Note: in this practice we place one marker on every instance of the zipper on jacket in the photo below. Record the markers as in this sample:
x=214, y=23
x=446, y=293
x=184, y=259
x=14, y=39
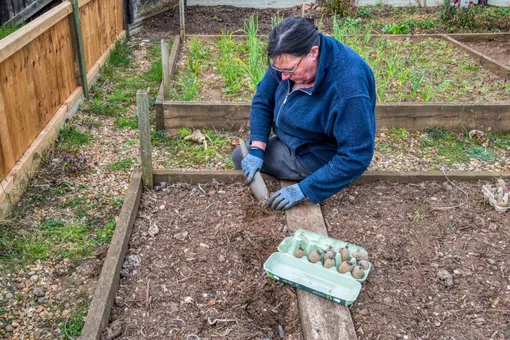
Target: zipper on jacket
x=285, y=101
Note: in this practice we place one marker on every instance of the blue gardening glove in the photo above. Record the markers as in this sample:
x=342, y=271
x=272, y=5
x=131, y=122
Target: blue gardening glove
x=286, y=198
x=251, y=164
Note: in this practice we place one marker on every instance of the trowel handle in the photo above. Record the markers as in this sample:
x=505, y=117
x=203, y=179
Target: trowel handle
x=244, y=149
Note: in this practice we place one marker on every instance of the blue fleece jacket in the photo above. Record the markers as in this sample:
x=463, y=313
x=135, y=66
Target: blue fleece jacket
x=330, y=127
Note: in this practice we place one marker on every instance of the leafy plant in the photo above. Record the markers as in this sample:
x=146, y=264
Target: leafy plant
x=70, y=137
x=482, y=154
x=121, y=165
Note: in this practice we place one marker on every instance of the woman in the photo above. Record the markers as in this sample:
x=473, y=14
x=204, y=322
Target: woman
x=319, y=98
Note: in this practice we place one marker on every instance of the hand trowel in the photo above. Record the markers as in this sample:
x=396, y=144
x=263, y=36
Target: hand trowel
x=257, y=186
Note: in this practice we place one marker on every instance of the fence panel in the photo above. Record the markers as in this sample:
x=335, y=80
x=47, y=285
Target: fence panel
x=36, y=79
x=39, y=69
x=101, y=22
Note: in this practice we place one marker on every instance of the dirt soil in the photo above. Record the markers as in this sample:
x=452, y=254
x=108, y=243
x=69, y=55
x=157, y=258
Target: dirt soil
x=194, y=269
x=438, y=273
x=497, y=49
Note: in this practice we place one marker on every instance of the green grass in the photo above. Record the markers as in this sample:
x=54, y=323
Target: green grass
x=70, y=137
x=188, y=153
x=73, y=325
x=6, y=30
x=122, y=123
x=121, y=165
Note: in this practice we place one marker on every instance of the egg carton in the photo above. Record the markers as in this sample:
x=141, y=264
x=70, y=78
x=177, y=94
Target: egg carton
x=488, y=194
x=314, y=277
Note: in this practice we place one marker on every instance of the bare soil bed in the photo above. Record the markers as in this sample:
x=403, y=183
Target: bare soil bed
x=497, y=49
x=416, y=247
x=200, y=274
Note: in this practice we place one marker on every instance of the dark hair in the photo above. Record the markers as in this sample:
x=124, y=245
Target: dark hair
x=295, y=36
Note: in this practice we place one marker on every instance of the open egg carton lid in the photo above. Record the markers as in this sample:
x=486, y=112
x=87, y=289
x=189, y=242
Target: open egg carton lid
x=302, y=274
x=498, y=197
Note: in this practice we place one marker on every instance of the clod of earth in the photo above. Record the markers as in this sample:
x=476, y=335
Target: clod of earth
x=357, y=272
x=445, y=276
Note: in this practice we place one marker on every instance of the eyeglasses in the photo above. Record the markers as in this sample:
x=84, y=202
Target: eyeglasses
x=286, y=71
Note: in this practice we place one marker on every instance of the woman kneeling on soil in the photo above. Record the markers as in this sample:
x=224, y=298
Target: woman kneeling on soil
x=319, y=97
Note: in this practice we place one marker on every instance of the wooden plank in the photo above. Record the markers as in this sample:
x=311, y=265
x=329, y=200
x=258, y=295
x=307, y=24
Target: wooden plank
x=479, y=36
x=484, y=60
x=320, y=318
x=174, y=54
x=99, y=311
x=165, y=62
x=15, y=41
x=79, y=48
x=28, y=12
x=412, y=116
x=158, y=106
x=232, y=176
x=142, y=110
x=202, y=115
x=6, y=151
x=182, y=28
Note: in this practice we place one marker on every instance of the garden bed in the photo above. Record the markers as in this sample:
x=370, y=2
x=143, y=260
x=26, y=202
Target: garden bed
x=204, y=264
x=413, y=238
x=423, y=82
x=497, y=48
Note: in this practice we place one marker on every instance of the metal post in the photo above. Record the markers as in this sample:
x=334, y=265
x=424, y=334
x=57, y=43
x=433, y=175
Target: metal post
x=80, y=49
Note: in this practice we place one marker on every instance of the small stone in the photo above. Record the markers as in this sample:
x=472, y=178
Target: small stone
x=479, y=321
x=493, y=227
x=364, y=311
x=388, y=300
x=15, y=324
x=39, y=310
x=19, y=285
x=9, y=328
x=457, y=271
x=221, y=258
x=437, y=323
x=491, y=261
x=445, y=276
x=9, y=296
x=221, y=192
x=38, y=292
x=34, y=278
x=43, y=299
x=181, y=236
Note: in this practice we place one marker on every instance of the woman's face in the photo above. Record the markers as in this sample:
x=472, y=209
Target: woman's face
x=301, y=70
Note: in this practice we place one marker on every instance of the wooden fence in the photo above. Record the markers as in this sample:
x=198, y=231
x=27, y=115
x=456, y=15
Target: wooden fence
x=39, y=69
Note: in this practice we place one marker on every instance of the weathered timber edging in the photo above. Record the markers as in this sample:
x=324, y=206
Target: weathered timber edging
x=231, y=176
x=411, y=116
x=484, y=60
x=306, y=216
x=108, y=283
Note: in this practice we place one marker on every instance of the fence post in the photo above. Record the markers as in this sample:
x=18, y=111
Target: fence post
x=182, y=4
x=80, y=50
x=142, y=110
x=165, y=60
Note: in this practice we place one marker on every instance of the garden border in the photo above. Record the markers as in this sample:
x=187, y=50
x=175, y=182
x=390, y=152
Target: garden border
x=306, y=214
x=12, y=186
x=412, y=116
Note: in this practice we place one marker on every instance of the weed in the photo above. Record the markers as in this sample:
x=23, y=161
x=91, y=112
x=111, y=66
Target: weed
x=451, y=228
x=159, y=138
x=256, y=63
x=70, y=137
x=436, y=133
x=343, y=8
x=397, y=28
x=99, y=107
x=122, y=123
x=398, y=133
x=482, y=154
x=6, y=30
x=73, y=325
x=104, y=235
x=184, y=132
x=121, y=165
x=277, y=18
x=118, y=202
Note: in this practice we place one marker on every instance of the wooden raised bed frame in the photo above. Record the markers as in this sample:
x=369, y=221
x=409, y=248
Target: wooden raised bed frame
x=411, y=116
x=320, y=318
